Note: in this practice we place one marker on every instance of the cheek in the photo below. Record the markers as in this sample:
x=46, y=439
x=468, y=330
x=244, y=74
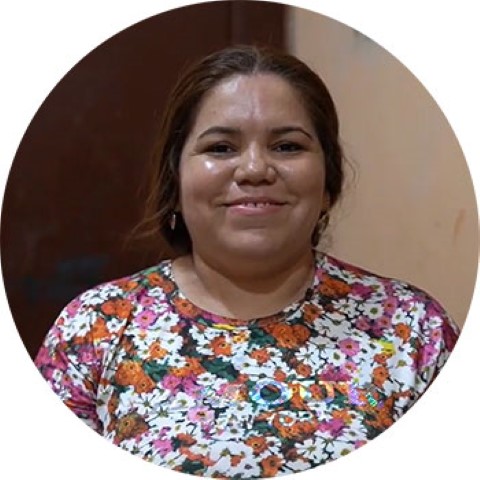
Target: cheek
x=307, y=181
x=201, y=181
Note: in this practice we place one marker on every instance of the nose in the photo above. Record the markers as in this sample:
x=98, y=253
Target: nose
x=254, y=167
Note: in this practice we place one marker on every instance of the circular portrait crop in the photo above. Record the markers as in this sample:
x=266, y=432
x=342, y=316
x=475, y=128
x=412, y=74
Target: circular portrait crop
x=231, y=254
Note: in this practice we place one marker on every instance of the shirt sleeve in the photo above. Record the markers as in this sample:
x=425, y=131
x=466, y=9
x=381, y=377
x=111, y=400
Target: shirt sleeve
x=70, y=361
x=437, y=339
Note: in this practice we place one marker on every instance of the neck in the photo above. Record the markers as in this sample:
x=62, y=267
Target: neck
x=245, y=291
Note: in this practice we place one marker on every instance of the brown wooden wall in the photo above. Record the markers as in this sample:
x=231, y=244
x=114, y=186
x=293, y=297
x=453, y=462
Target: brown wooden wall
x=72, y=193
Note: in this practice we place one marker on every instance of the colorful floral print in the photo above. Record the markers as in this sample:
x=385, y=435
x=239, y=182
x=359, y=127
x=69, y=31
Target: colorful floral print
x=216, y=397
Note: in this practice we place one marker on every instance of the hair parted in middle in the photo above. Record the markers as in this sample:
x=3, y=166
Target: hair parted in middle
x=180, y=114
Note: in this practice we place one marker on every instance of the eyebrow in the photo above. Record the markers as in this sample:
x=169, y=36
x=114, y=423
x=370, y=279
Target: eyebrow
x=233, y=131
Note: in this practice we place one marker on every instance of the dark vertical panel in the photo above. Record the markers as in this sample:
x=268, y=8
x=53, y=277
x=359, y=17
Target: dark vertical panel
x=72, y=193
x=258, y=22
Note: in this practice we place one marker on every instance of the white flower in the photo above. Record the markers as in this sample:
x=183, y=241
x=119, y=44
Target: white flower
x=146, y=402
x=171, y=342
x=156, y=292
x=372, y=310
x=182, y=402
x=347, y=306
x=311, y=449
x=310, y=354
x=245, y=364
x=77, y=326
x=298, y=465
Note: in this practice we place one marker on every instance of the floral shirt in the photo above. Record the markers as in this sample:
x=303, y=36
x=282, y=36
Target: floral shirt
x=210, y=396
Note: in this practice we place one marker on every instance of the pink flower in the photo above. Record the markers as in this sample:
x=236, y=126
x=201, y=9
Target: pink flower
x=334, y=427
x=333, y=374
x=449, y=335
x=86, y=354
x=190, y=387
x=390, y=305
x=383, y=322
x=362, y=324
x=201, y=415
x=362, y=290
x=73, y=307
x=145, y=319
x=171, y=382
x=427, y=354
x=349, y=347
x=163, y=446
x=147, y=301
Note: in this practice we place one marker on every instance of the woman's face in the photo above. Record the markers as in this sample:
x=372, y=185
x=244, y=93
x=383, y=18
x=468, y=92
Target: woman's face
x=252, y=172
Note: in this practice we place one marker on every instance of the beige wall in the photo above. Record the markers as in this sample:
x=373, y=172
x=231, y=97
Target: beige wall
x=411, y=212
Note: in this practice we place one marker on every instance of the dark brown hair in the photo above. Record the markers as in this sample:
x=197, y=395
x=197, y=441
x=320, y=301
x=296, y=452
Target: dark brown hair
x=180, y=113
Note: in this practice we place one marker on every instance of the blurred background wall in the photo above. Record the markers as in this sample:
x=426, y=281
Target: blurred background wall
x=410, y=211
x=72, y=194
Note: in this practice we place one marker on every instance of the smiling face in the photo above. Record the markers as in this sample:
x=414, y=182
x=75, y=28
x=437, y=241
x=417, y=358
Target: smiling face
x=252, y=175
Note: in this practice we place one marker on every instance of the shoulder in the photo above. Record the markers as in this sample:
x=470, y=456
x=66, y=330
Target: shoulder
x=385, y=303
x=367, y=285
x=156, y=280
x=102, y=312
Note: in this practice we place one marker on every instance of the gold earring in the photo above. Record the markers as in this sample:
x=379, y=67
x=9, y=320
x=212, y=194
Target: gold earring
x=320, y=228
x=173, y=221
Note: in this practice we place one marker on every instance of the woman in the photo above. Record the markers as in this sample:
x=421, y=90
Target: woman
x=250, y=354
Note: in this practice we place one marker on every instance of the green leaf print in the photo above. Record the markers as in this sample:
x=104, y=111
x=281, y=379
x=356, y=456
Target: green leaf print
x=155, y=370
x=193, y=467
x=220, y=368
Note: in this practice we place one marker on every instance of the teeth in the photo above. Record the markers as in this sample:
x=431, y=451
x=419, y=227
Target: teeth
x=256, y=204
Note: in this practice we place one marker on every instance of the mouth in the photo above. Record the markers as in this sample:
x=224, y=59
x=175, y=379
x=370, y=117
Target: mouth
x=254, y=202
x=254, y=206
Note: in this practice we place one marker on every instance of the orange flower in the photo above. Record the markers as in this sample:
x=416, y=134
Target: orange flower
x=240, y=337
x=123, y=308
x=342, y=415
x=297, y=402
x=99, y=330
x=261, y=355
x=120, y=308
x=381, y=358
x=220, y=346
x=185, y=308
x=113, y=404
x=303, y=370
x=108, y=308
x=284, y=335
x=144, y=384
x=311, y=312
x=186, y=439
x=286, y=427
x=156, y=280
x=271, y=465
x=127, y=285
x=192, y=367
x=301, y=332
x=235, y=460
x=307, y=428
x=156, y=350
x=258, y=444
x=403, y=331
x=279, y=375
x=380, y=375
x=129, y=426
x=331, y=287
x=128, y=373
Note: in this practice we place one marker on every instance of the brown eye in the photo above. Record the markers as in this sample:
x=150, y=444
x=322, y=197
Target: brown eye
x=219, y=149
x=288, y=147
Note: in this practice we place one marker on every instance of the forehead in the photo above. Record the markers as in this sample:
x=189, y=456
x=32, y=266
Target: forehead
x=255, y=98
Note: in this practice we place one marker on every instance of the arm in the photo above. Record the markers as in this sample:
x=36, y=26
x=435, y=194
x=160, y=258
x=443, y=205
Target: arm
x=70, y=361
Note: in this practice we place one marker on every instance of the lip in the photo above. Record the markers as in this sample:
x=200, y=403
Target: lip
x=254, y=205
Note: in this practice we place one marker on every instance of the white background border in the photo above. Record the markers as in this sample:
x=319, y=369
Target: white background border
x=438, y=41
